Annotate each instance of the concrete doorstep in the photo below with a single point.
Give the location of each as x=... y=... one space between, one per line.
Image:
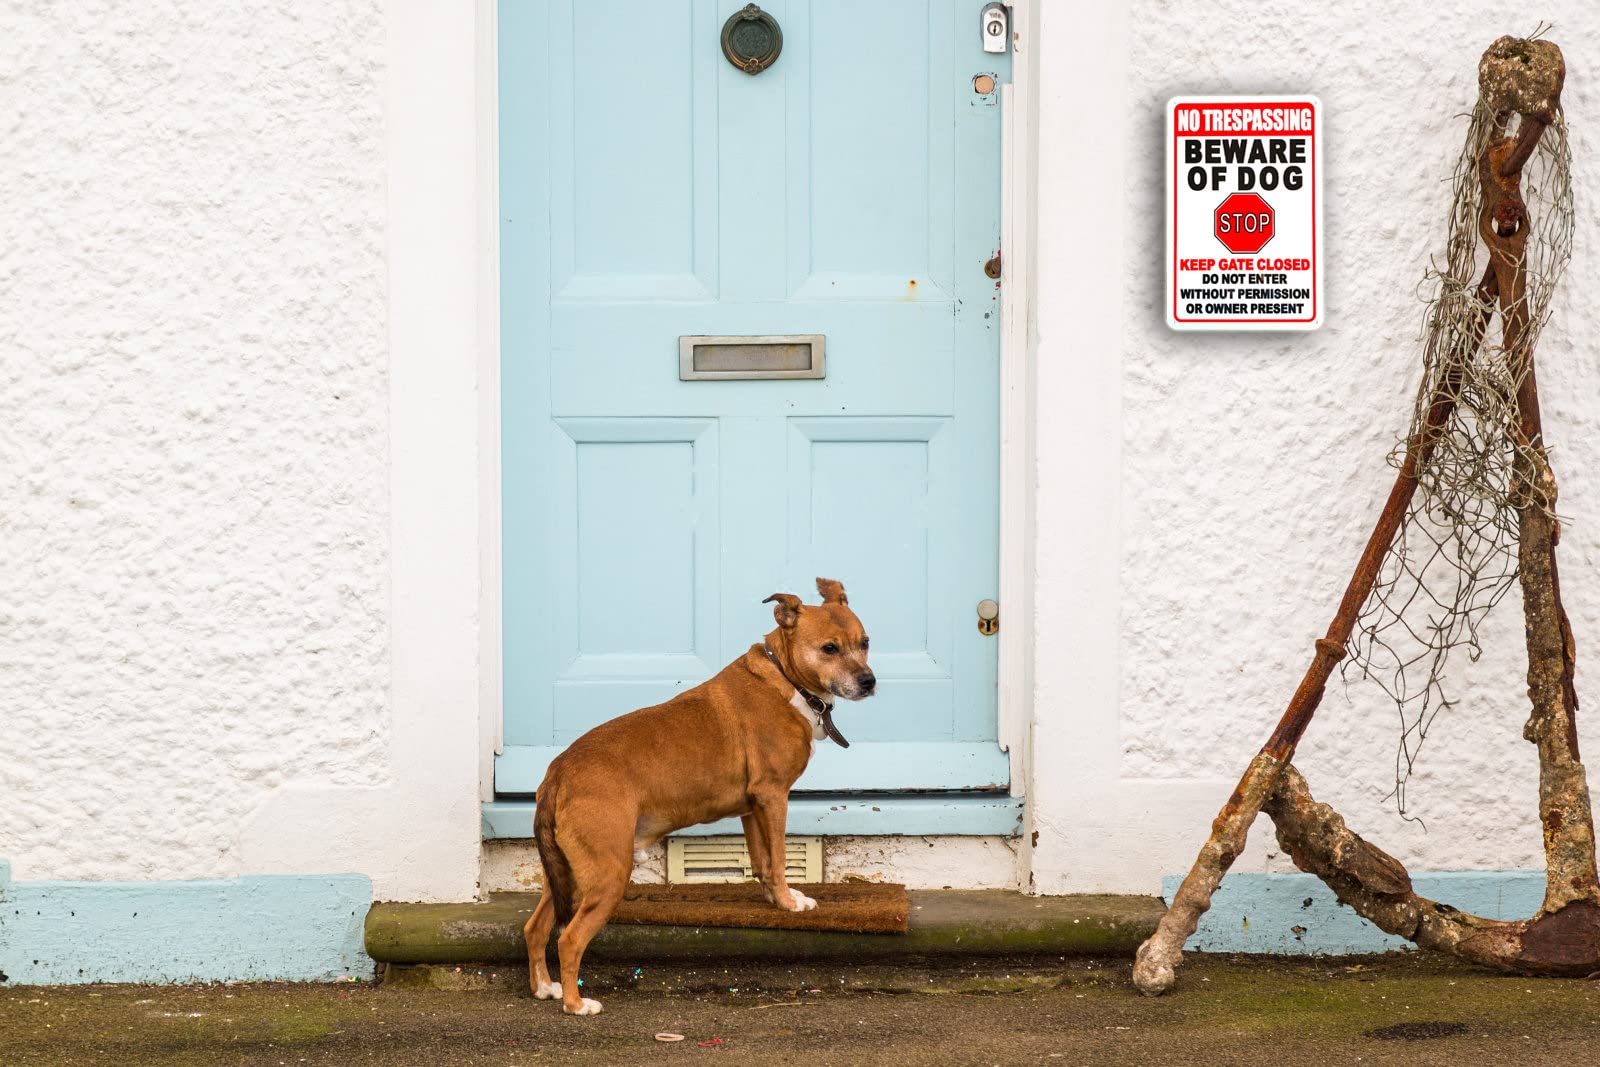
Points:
x=943 y=923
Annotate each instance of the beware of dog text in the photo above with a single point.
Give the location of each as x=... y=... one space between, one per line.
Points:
x=1244 y=213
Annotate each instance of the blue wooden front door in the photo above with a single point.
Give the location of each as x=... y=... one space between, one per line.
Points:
x=651 y=190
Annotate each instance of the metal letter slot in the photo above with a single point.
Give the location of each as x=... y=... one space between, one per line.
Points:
x=763 y=356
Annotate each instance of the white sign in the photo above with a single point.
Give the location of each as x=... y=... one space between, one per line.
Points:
x=1244 y=213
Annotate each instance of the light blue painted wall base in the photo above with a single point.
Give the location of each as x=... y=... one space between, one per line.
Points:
x=303 y=928
x=1297 y=915
x=966 y=814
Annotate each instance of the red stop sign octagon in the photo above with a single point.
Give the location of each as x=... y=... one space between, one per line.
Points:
x=1244 y=223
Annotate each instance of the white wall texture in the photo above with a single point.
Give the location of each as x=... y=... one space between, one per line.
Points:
x=1250 y=467
x=193 y=483
x=237 y=327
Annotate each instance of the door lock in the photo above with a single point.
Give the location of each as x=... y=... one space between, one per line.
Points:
x=992 y=28
x=988 y=617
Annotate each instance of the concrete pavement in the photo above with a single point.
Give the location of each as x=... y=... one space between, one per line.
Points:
x=1413 y=1010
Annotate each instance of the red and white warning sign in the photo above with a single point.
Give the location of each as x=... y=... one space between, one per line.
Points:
x=1244 y=213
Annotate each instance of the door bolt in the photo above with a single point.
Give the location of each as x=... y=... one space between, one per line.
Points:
x=988 y=617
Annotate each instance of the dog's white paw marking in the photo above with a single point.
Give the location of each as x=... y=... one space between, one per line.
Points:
x=801 y=901
x=548 y=991
x=588 y=1007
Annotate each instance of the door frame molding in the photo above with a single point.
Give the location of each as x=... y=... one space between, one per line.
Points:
x=491 y=679
x=1017 y=414
x=1018 y=136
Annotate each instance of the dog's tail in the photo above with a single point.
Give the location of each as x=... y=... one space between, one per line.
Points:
x=557 y=872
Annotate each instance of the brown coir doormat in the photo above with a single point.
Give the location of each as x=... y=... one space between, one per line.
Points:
x=851 y=907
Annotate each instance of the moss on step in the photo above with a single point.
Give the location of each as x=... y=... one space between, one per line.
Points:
x=989 y=976
x=943 y=922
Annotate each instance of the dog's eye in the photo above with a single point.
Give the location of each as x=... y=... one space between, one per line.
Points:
x=863 y=644
x=831 y=649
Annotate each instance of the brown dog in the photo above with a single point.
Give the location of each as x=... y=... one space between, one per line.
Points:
x=731 y=746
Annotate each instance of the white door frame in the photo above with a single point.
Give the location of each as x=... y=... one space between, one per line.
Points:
x=1019 y=137
x=487 y=211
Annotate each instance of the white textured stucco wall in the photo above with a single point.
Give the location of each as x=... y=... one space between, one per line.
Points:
x=1250 y=467
x=194 y=516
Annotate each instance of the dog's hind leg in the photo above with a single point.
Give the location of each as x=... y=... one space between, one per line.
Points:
x=601 y=860
x=537 y=934
x=596 y=907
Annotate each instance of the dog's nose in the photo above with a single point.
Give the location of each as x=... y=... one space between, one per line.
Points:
x=867 y=681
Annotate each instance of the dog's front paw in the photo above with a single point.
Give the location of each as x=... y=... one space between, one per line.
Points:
x=801 y=901
x=585 y=1007
x=547 y=991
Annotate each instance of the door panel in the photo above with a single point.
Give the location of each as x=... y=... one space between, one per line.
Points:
x=891 y=476
x=638 y=605
x=650 y=190
x=888 y=116
x=640 y=227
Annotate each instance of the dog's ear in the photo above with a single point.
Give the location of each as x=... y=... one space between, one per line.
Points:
x=787 y=609
x=832 y=592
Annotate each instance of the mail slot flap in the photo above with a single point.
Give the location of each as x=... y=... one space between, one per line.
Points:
x=706 y=358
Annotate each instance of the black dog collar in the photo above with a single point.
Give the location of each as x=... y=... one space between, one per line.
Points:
x=815 y=702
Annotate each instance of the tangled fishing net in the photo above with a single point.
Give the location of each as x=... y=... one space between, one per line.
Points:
x=1472 y=509
x=1455 y=556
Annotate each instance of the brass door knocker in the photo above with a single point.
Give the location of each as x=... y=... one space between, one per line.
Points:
x=751 y=39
